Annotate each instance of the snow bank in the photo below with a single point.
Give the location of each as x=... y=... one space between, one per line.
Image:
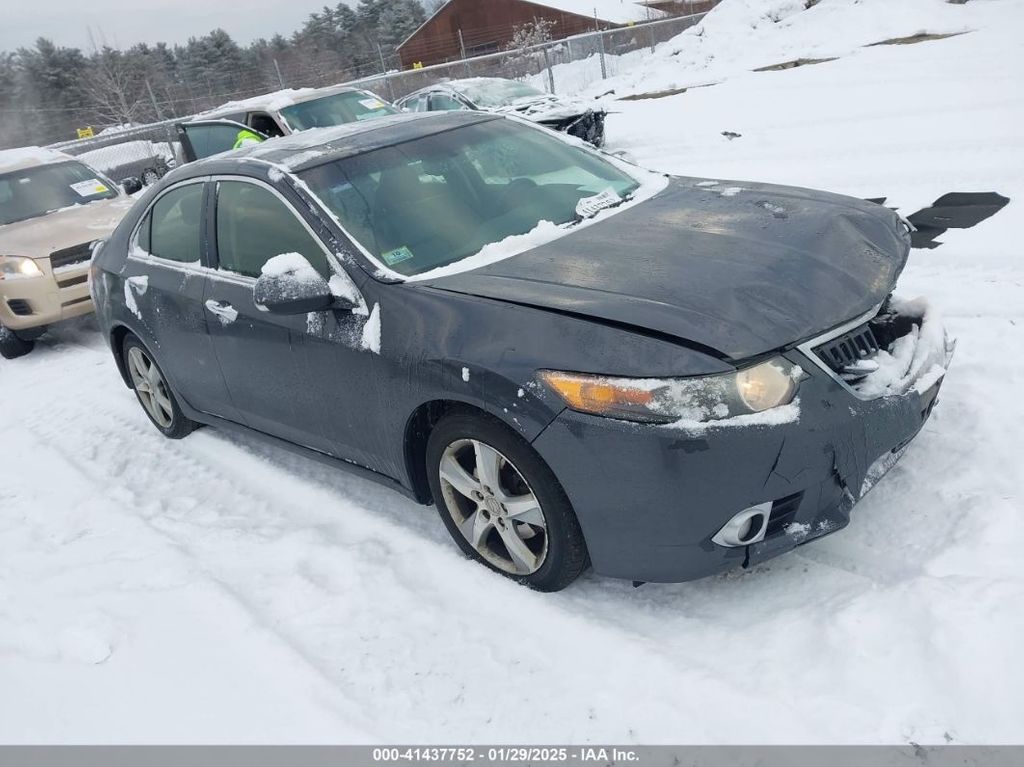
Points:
x=738 y=36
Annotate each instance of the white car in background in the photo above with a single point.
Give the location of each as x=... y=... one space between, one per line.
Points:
x=277 y=114
x=53 y=209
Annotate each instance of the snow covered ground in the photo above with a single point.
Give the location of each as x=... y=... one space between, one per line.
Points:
x=216 y=589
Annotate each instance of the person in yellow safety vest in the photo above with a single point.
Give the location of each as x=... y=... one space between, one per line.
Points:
x=246 y=137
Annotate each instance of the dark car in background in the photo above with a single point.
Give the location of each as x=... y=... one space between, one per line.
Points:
x=145 y=160
x=502 y=96
x=576 y=360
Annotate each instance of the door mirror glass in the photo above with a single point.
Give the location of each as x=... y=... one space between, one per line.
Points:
x=289 y=284
x=131 y=185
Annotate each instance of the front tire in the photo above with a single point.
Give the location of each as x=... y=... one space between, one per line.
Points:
x=12 y=345
x=502 y=504
x=153 y=391
x=150 y=177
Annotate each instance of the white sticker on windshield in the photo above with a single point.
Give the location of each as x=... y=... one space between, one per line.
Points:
x=89 y=188
x=372 y=103
x=590 y=206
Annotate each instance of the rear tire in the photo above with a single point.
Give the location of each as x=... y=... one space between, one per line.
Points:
x=513 y=517
x=12 y=345
x=153 y=391
x=150 y=177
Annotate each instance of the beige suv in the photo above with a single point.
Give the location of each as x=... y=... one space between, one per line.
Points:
x=52 y=209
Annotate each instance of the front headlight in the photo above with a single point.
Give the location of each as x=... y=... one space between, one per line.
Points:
x=707 y=398
x=15 y=267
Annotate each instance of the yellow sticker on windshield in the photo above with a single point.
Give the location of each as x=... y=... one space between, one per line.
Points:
x=397 y=255
x=90 y=187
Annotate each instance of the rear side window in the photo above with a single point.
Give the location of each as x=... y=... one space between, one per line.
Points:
x=254 y=225
x=417 y=104
x=442 y=102
x=174 y=225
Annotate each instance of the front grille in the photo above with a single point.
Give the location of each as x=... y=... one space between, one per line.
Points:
x=783 y=512
x=849 y=348
x=20 y=306
x=76 y=254
x=72 y=281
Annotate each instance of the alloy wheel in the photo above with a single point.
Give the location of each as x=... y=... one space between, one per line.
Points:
x=150 y=386
x=494 y=507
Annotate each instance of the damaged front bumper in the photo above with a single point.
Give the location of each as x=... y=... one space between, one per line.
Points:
x=588 y=126
x=650 y=499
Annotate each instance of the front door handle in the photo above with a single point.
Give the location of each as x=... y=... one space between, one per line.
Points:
x=225 y=312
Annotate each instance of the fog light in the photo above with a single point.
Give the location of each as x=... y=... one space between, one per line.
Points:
x=745 y=528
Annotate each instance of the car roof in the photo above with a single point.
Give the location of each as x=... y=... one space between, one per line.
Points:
x=456 y=86
x=29 y=157
x=276 y=101
x=317 y=146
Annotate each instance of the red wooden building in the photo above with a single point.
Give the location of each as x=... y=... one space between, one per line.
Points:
x=487 y=25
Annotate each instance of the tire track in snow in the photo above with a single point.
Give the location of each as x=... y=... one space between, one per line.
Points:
x=448 y=621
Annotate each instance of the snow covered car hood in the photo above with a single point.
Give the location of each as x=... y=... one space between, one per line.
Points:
x=543 y=108
x=738 y=268
x=38 y=237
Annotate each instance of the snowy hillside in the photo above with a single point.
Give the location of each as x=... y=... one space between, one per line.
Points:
x=216 y=589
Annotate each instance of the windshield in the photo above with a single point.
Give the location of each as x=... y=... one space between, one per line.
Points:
x=41 y=189
x=490 y=94
x=341 y=108
x=430 y=202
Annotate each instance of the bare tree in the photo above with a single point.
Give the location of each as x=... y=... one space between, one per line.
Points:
x=525 y=59
x=114 y=91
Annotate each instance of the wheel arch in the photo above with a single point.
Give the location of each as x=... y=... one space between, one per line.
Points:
x=118 y=334
x=417 y=432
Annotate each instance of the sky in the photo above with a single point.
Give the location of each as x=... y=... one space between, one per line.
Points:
x=122 y=23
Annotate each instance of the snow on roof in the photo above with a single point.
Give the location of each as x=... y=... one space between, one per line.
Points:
x=614 y=11
x=29 y=156
x=277 y=100
x=268 y=101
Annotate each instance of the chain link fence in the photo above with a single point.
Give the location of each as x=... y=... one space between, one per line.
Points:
x=565 y=67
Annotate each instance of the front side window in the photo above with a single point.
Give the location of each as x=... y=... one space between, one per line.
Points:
x=433 y=201
x=42 y=189
x=172 y=227
x=254 y=225
x=339 y=109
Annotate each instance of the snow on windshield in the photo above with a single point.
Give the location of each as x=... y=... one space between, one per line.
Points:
x=489 y=93
x=455 y=200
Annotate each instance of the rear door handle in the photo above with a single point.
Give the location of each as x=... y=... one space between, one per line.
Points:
x=225 y=312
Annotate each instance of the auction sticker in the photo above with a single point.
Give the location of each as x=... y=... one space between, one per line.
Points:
x=372 y=103
x=397 y=255
x=90 y=187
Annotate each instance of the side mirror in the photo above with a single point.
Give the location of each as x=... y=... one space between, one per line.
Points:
x=290 y=285
x=131 y=185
